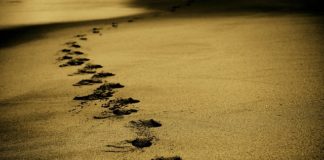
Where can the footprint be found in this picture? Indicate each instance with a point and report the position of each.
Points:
(87, 82)
(168, 158)
(74, 62)
(84, 71)
(102, 75)
(65, 57)
(76, 52)
(88, 69)
(83, 38)
(151, 123)
(96, 30)
(93, 66)
(102, 92)
(71, 42)
(66, 50)
(75, 46)
(119, 103)
(80, 35)
(141, 142)
(122, 112)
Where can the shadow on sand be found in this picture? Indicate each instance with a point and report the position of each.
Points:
(13, 36)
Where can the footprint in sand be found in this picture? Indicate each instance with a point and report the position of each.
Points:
(119, 103)
(88, 69)
(102, 92)
(75, 46)
(74, 62)
(66, 50)
(151, 123)
(138, 143)
(76, 53)
(87, 82)
(65, 57)
(70, 42)
(102, 75)
(167, 158)
(141, 142)
(83, 38)
(80, 35)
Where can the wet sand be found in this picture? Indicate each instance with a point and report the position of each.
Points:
(221, 86)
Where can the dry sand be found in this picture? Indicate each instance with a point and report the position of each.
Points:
(240, 86)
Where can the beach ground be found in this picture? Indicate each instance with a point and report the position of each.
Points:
(223, 86)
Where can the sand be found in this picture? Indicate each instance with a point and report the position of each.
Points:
(224, 86)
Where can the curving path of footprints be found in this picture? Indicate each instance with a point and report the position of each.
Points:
(114, 106)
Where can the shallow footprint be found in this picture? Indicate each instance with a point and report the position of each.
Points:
(151, 123)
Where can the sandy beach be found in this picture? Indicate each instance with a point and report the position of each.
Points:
(186, 82)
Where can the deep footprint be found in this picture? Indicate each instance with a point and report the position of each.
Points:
(168, 158)
(142, 142)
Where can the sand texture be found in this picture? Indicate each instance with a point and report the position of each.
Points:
(165, 85)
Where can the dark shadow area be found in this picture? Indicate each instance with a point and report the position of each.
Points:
(18, 35)
(14, 36)
(233, 5)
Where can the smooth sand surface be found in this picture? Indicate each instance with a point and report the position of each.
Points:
(243, 86)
